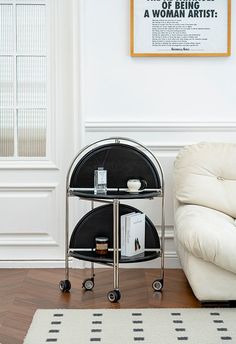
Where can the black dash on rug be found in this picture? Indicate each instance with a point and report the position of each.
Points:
(97, 322)
(54, 331)
(226, 338)
(182, 338)
(174, 314)
(214, 313)
(180, 329)
(58, 315)
(138, 329)
(51, 340)
(136, 314)
(218, 321)
(55, 322)
(137, 321)
(138, 338)
(222, 329)
(97, 314)
(178, 321)
(95, 339)
(96, 330)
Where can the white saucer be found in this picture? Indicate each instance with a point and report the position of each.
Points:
(134, 192)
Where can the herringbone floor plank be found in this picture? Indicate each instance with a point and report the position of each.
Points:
(23, 291)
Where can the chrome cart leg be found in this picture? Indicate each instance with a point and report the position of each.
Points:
(163, 239)
(114, 295)
(67, 240)
(116, 243)
(92, 263)
(65, 285)
(88, 283)
(159, 283)
(92, 269)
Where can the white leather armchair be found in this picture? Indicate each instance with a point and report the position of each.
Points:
(205, 212)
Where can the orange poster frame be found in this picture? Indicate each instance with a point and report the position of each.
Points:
(133, 26)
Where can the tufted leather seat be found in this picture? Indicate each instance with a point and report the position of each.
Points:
(205, 212)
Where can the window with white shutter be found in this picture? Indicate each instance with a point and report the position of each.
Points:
(23, 79)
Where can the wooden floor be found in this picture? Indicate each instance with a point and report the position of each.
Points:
(23, 291)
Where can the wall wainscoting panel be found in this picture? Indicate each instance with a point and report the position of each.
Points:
(25, 242)
(31, 225)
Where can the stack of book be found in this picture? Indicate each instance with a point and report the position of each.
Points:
(132, 234)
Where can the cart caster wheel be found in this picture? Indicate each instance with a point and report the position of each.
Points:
(157, 285)
(65, 285)
(114, 295)
(88, 284)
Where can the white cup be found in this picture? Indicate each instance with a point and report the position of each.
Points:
(134, 185)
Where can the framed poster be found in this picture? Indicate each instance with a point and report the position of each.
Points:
(180, 27)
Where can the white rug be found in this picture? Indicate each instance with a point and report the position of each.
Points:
(127, 326)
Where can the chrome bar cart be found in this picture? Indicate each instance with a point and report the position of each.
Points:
(123, 158)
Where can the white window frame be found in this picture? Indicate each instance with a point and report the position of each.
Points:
(50, 161)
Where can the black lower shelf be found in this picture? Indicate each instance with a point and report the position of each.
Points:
(91, 256)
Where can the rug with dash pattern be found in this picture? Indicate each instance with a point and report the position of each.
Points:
(128, 326)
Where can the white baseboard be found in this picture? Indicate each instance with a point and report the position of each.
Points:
(28, 264)
(171, 262)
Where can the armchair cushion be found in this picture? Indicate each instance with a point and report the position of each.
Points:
(205, 174)
(207, 234)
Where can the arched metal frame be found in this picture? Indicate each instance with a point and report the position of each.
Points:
(115, 202)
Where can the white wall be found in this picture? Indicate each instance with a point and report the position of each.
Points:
(120, 87)
(164, 103)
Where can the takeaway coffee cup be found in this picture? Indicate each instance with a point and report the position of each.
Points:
(135, 185)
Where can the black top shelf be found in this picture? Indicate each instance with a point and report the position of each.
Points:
(91, 256)
(121, 161)
(115, 194)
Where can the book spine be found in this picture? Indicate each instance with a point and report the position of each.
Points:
(128, 243)
(122, 234)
